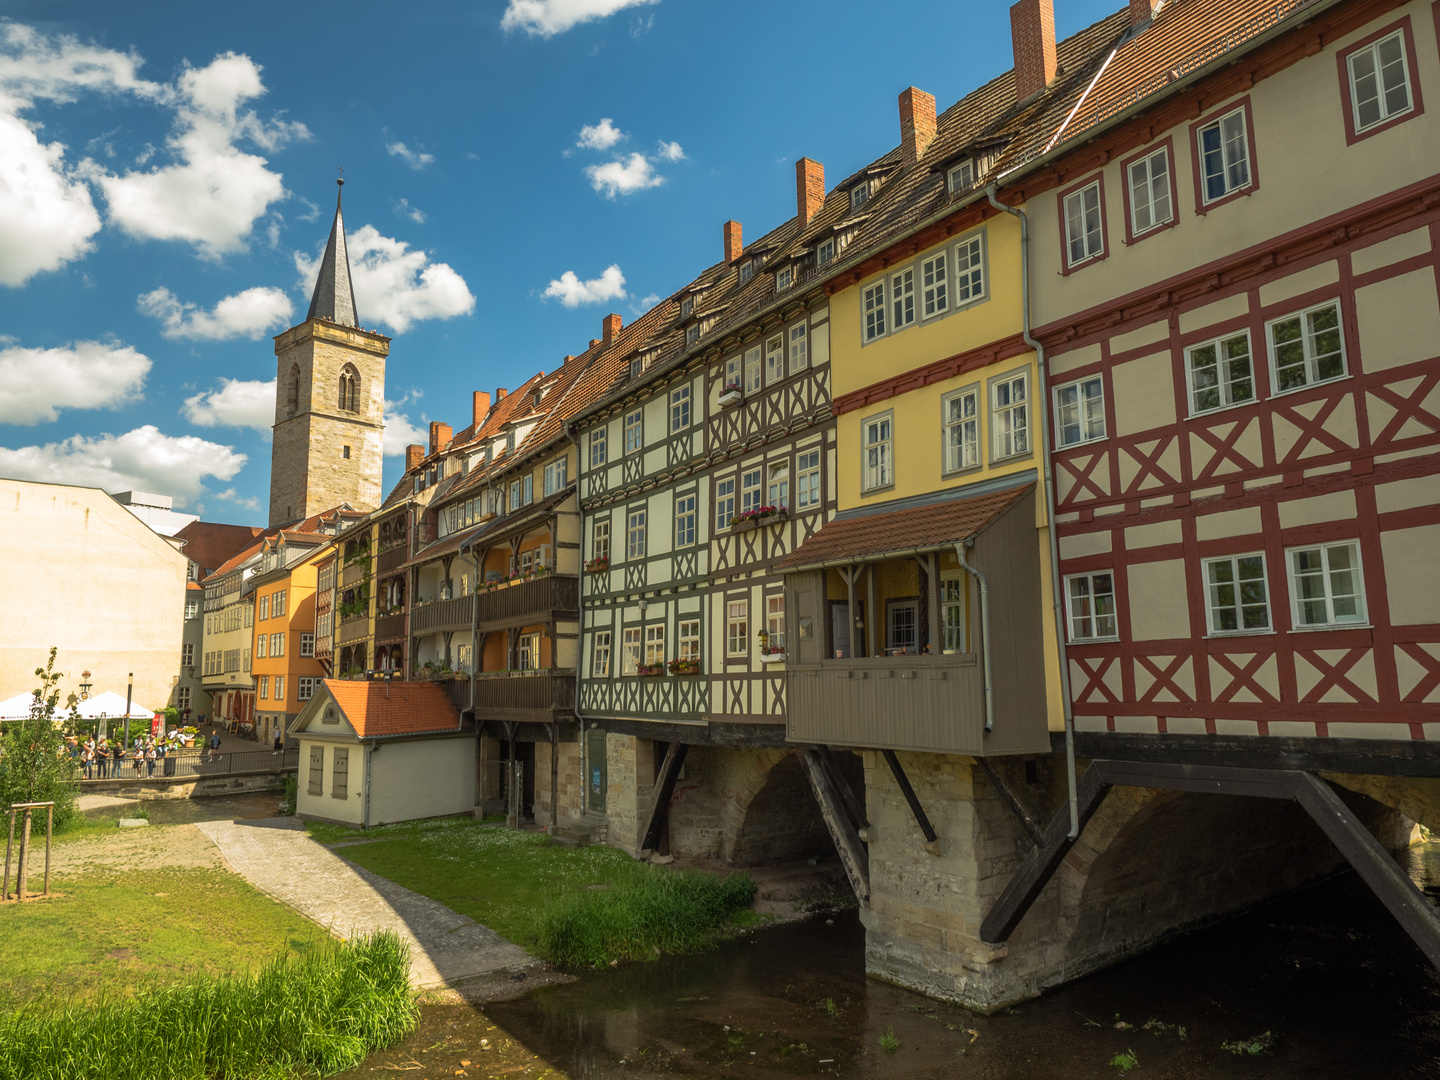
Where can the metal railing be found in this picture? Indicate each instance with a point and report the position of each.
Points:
(196, 763)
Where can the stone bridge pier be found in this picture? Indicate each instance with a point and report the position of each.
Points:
(1148, 864)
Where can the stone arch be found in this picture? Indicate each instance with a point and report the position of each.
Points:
(292, 392)
(781, 822)
(349, 396)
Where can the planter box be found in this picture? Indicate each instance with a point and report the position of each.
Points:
(650, 674)
(687, 671)
(759, 523)
(731, 398)
(772, 658)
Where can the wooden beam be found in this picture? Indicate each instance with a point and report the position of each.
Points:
(1022, 815)
(1025, 886)
(847, 842)
(664, 789)
(1372, 862)
(853, 806)
(1379, 757)
(926, 829)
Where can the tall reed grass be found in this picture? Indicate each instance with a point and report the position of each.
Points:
(640, 915)
(314, 1014)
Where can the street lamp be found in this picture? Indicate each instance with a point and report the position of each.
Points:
(85, 686)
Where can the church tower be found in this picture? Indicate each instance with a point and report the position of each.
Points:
(329, 400)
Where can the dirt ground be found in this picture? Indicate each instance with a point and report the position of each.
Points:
(150, 848)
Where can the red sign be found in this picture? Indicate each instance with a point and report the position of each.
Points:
(155, 725)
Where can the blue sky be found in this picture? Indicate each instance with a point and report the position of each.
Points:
(515, 169)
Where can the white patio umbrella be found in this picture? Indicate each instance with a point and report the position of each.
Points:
(18, 707)
(111, 705)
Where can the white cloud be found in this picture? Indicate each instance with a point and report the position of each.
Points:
(244, 502)
(393, 284)
(546, 18)
(142, 459)
(40, 67)
(670, 151)
(213, 194)
(400, 432)
(572, 292)
(35, 384)
(601, 136)
(238, 404)
(405, 210)
(621, 177)
(247, 314)
(415, 159)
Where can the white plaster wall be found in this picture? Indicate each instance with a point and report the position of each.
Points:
(423, 778)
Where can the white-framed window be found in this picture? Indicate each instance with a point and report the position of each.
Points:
(305, 687)
(754, 370)
(635, 535)
(902, 299)
(634, 430)
(264, 605)
(279, 687)
(687, 305)
(1149, 184)
(554, 476)
(529, 652)
(1326, 584)
(630, 651)
(1379, 81)
(514, 494)
(600, 655)
(528, 486)
(1080, 411)
(952, 611)
(182, 698)
(307, 645)
(685, 521)
(724, 501)
(1090, 606)
(775, 359)
(747, 270)
(859, 196)
(874, 298)
(192, 608)
(277, 645)
(777, 485)
(262, 646)
(689, 640)
(733, 371)
(1224, 156)
(1307, 347)
(1237, 599)
(961, 175)
(187, 654)
(265, 687)
(902, 627)
(692, 333)
(1084, 237)
(970, 268)
(799, 347)
(680, 408)
(784, 278)
(600, 539)
(751, 490)
(934, 286)
(323, 624)
(277, 604)
(825, 253)
(960, 418)
(807, 479)
(879, 451)
(737, 632)
(775, 618)
(1220, 373)
(655, 644)
(597, 448)
(1010, 416)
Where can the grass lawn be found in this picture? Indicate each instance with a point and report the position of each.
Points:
(113, 932)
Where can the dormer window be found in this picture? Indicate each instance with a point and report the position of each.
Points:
(636, 367)
(692, 334)
(538, 395)
(859, 196)
(825, 252)
(747, 270)
(687, 306)
(784, 279)
(961, 176)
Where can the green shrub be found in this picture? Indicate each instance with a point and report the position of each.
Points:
(315, 1014)
(641, 915)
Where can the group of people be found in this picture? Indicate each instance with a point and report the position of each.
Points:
(105, 758)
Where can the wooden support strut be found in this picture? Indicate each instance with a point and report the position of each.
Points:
(921, 819)
(1007, 793)
(847, 842)
(853, 806)
(664, 789)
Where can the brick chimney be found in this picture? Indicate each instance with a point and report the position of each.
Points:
(809, 189)
(480, 406)
(1142, 11)
(917, 119)
(733, 244)
(611, 327)
(500, 393)
(1032, 36)
(440, 435)
(414, 454)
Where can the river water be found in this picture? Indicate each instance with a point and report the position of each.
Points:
(1320, 984)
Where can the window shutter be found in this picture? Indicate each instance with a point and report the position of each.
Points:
(317, 770)
(339, 784)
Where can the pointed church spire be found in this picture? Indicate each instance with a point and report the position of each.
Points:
(333, 299)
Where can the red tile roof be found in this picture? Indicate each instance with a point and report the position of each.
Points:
(874, 536)
(381, 709)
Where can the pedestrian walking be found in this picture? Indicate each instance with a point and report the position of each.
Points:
(279, 741)
(87, 758)
(117, 757)
(150, 756)
(214, 745)
(102, 758)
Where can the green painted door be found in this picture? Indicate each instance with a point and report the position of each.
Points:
(595, 770)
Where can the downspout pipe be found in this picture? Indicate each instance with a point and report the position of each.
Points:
(1048, 472)
(474, 560)
(365, 817)
(979, 577)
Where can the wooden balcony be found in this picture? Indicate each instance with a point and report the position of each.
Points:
(352, 630)
(550, 597)
(353, 573)
(391, 559)
(390, 627)
(543, 696)
(442, 615)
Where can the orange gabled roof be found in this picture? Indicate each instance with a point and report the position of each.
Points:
(381, 709)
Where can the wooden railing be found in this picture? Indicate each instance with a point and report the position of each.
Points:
(354, 572)
(442, 615)
(352, 630)
(528, 602)
(388, 627)
(541, 692)
(392, 559)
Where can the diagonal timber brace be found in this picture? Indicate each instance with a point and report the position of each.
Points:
(847, 841)
(921, 818)
(664, 790)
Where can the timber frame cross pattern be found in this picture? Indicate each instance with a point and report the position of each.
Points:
(1397, 892)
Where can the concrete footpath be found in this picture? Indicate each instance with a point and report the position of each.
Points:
(279, 858)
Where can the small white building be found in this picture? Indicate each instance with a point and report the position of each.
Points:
(372, 753)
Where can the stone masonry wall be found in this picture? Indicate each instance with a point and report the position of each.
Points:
(568, 782)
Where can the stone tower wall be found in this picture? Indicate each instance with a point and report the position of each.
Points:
(308, 468)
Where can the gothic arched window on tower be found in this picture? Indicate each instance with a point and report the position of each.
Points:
(293, 402)
(349, 388)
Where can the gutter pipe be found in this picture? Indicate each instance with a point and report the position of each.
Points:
(974, 572)
(1055, 595)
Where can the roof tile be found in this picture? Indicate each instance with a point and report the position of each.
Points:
(380, 709)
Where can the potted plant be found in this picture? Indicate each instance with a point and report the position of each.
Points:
(732, 394)
(684, 666)
(759, 515)
(648, 670)
(770, 653)
(598, 566)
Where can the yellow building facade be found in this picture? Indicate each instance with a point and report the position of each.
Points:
(286, 672)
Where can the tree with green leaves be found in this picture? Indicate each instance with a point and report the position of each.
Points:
(34, 766)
